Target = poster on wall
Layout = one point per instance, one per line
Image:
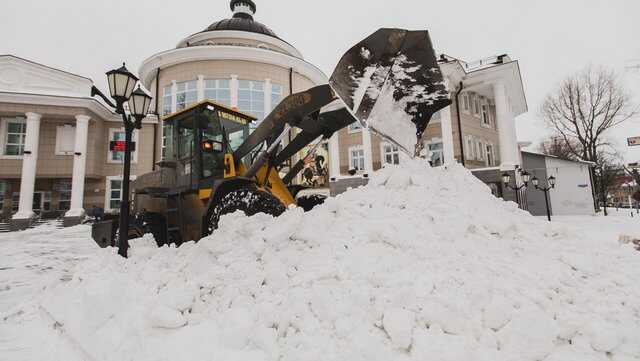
(315, 173)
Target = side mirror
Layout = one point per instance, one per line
(212, 146)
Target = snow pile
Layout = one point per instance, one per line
(422, 264)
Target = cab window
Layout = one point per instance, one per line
(185, 142)
(212, 160)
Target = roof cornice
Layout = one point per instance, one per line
(227, 52)
(245, 35)
(90, 104)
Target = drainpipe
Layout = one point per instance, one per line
(155, 126)
(457, 99)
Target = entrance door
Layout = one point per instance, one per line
(37, 201)
(41, 201)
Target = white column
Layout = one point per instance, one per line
(174, 96)
(509, 157)
(29, 164)
(233, 88)
(267, 97)
(334, 156)
(200, 88)
(79, 167)
(447, 136)
(368, 151)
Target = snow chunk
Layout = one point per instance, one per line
(165, 317)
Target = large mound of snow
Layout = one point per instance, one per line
(421, 264)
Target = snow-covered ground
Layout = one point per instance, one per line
(422, 264)
(31, 261)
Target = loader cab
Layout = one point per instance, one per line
(197, 139)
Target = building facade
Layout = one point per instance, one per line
(477, 130)
(55, 159)
(573, 193)
(237, 62)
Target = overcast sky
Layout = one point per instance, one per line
(550, 38)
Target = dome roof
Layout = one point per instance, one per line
(243, 11)
(241, 24)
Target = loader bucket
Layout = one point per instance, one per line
(392, 84)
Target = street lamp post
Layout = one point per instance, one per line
(506, 180)
(551, 184)
(121, 87)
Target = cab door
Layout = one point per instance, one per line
(185, 156)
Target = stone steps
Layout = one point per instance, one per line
(5, 227)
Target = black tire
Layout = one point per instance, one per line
(250, 201)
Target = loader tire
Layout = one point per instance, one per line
(248, 200)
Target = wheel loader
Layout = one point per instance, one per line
(214, 164)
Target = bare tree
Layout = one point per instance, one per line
(584, 107)
(607, 173)
(558, 147)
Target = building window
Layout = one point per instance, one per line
(64, 192)
(3, 190)
(471, 154)
(218, 90)
(436, 154)
(167, 100)
(356, 158)
(490, 155)
(466, 106)
(390, 154)
(354, 127)
(480, 150)
(187, 94)
(15, 133)
(476, 104)
(118, 134)
(486, 118)
(276, 95)
(251, 98)
(167, 147)
(436, 117)
(65, 140)
(15, 201)
(42, 201)
(114, 194)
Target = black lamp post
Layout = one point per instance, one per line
(506, 180)
(121, 86)
(551, 184)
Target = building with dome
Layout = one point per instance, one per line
(55, 156)
(238, 62)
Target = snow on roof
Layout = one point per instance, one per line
(554, 156)
(43, 66)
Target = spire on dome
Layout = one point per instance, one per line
(244, 9)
